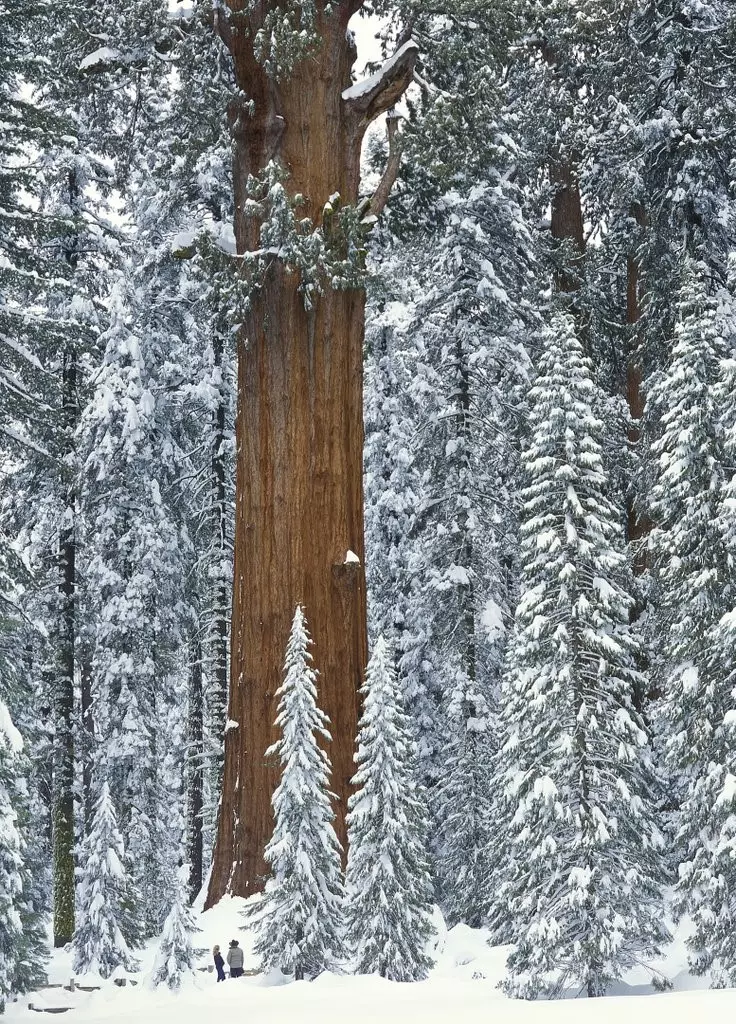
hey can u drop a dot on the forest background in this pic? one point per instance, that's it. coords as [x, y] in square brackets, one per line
[549, 452]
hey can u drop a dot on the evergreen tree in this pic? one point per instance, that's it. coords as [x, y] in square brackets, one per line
[135, 572]
[11, 858]
[693, 567]
[464, 805]
[99, 944]
[298, 918]
[182, 198]
[23, 906]
[440, 485]
[390, 479]
[388, 903]
[583, 875]
[32, 953]
[175, 958]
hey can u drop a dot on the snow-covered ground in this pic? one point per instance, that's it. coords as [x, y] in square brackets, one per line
[463, 988]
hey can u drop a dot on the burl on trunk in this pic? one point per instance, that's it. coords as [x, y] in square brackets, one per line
[299, 499]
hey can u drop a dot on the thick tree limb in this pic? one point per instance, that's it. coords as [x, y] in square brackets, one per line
[372, 97]
[393, 165]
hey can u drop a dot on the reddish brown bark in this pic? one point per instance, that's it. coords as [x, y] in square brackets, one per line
[299, 500]
[567, 219]
[567, 211]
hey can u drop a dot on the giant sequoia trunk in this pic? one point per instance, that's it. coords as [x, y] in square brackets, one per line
[299, 431]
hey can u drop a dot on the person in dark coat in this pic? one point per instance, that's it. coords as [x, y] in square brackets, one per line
[235, 959]
[219, 963]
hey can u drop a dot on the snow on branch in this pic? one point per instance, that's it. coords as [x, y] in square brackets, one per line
[378, 93]
[102, 59]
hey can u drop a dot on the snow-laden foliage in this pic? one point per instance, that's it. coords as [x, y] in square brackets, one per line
[134, 572]
[390, 480]
[16, 909]
[582, 877]
[693, 559]
[175, 957]
[99, 945]
[388, 889]
[283, 34]
[298, 918]
[121, 295]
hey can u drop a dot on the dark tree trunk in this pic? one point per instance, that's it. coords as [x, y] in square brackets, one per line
[195, 768]
[567, 222]
[465, 558]
[299, 434]
[63, 778]
[62, 812]
[88, 736]
[638, 525]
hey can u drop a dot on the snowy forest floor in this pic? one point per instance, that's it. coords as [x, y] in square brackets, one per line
[463, 987]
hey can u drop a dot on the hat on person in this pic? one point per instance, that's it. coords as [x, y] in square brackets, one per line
[233, 942]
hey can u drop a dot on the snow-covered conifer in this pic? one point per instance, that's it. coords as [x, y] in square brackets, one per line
[98, 943]
[388, 903]
[464, 807]
[582, 883]
[390, 480]
[175, 958]
[11, 852]
[692, 545]
[298, 919]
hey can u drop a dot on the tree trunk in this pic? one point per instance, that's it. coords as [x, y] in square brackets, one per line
[63, 778]
[217, 638]
[299, 433]
[195, 770]
[638, 526]
[567, 221]
[87, 736]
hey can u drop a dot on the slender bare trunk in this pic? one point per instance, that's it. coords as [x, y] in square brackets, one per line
[638, 525]
[88, 736]
[63, 778]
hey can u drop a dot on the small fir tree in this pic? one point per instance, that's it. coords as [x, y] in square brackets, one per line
[583, 874]
[463, 805]
[388, 886]
[298, 919]
[98, 943]
[11, 860]
[32, 953]
[176, 955]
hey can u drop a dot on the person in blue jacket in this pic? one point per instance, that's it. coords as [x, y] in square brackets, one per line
[219, 963]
